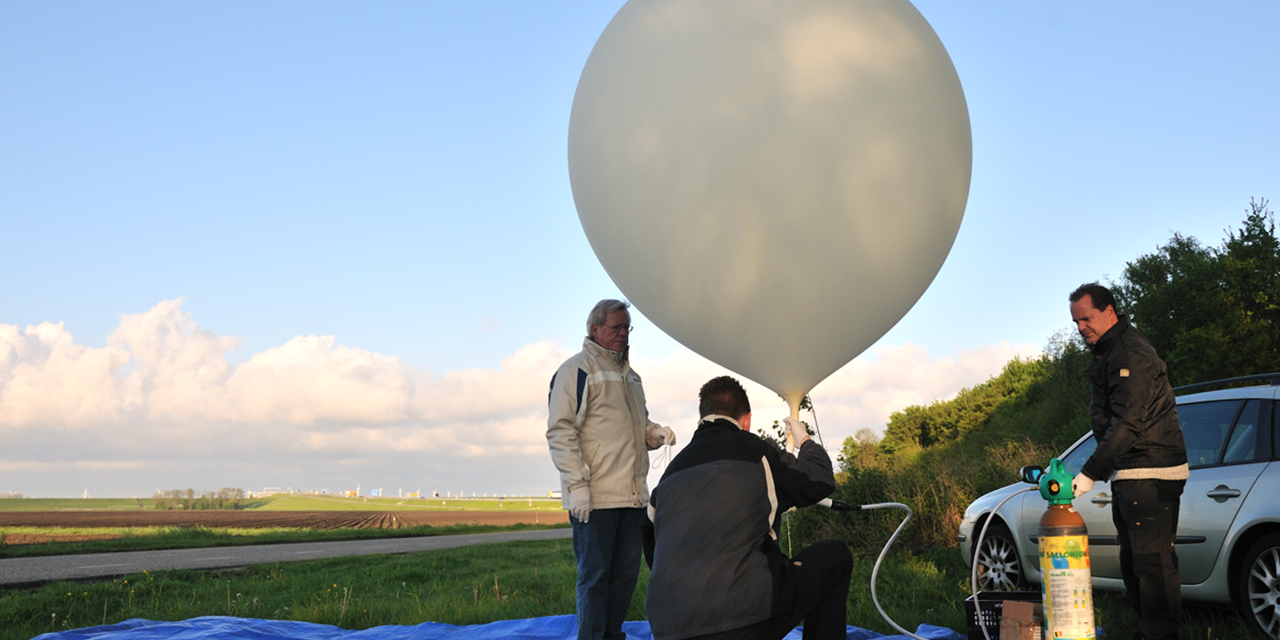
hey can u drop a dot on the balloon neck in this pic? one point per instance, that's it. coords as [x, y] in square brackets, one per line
[793, 401]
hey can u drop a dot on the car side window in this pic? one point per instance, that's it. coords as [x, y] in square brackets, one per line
[1205, 427]
[1248, 439]
[1074, 461]
[1274, 434]
[1274, 444]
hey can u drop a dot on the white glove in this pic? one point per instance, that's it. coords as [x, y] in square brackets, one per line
[665, 435]
[1081, 484]
[795, 431]
[580, 503]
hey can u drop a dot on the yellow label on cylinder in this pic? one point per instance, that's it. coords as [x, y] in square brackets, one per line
[1068, 594]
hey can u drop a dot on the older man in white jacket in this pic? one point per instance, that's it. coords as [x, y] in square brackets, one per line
[600, 435]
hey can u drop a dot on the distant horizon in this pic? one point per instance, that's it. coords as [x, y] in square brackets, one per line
[318, 492]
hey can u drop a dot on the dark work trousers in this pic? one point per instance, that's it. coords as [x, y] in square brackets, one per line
[1146, 516]
[607, 547]
[820, 577]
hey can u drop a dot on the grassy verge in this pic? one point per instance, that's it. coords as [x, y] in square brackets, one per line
[74, 504]
[459, 586]
[475, 585]
[155, 538]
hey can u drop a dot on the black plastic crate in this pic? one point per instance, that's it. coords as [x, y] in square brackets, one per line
[992, 608]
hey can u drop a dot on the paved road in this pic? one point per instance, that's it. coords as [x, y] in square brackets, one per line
[31, 571]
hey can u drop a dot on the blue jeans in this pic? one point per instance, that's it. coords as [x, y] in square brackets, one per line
[608, 549]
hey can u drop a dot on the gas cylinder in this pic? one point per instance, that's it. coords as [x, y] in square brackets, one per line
[1064, 561]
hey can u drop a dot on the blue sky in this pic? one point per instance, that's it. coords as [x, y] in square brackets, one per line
[262, 177]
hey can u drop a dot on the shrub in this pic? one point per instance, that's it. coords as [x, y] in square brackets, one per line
[938, 459]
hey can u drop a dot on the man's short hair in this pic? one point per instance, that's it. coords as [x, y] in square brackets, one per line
[602, 311]
[1100, 295]
[723, 396]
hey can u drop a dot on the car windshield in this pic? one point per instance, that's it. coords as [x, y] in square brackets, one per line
[1075, 459]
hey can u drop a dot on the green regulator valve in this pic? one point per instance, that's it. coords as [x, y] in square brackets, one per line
[1055, 484]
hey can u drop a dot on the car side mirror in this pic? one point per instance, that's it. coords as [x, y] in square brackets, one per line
[1031, 474]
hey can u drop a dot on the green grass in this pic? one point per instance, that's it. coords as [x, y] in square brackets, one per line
[74, 504]
[116, 531]
[339, 503]
[475, 585]
[460, 586]
[154, 538]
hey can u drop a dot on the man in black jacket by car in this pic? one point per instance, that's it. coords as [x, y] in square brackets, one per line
[717, 569]
[1140, 450]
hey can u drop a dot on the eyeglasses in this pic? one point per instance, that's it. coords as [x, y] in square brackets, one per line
[619, 328]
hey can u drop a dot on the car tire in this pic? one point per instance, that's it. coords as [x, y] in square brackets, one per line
[1258, 585]
[1000, 566]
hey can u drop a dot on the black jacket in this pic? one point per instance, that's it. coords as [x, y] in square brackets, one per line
[716, 564]
[1133, 411]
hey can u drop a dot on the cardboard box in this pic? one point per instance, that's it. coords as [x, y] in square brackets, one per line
[992, 605]
[1021, 620]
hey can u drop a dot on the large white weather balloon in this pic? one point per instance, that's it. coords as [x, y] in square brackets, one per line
[773, 182]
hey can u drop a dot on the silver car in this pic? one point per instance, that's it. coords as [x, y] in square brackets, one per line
[1229, 522]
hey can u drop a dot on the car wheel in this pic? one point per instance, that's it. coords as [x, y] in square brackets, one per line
[1259, 585]
[999, 566]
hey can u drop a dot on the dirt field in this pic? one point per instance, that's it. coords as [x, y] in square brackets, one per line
[260, 519]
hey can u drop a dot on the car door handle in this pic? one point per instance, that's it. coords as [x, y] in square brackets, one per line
[1101, 499]
[1222, 492]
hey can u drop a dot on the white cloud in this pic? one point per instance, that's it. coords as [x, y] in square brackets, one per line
[48, 380]
[162, 399]
[311, 380]
[180, 370]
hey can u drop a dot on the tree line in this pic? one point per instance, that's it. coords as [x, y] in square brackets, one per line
[184, 499]
[1211, 312]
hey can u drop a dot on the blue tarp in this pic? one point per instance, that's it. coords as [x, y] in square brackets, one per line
[549, 628]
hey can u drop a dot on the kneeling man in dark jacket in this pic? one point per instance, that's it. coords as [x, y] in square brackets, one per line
[716, 568]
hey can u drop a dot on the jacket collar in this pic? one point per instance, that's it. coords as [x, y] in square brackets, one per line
[617, 357]
[714, 418]
[1122, 324]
